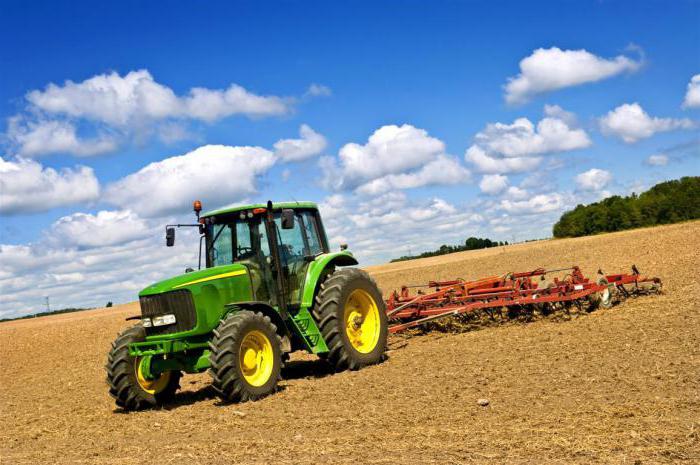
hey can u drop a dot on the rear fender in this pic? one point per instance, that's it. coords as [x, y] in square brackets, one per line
[317, 270]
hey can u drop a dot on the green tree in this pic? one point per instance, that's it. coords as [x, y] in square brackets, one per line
[666, 202]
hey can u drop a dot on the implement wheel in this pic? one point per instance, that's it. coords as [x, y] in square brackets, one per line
[127, 383]
[352, 318]
[606, 296]
[246, 357]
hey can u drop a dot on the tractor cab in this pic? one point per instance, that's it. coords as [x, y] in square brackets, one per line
[275, 244]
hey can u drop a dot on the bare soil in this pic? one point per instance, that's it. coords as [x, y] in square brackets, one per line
[617, 386]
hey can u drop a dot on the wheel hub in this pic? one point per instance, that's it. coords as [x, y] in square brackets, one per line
[256, 358]
[362, 322]
[147, 381]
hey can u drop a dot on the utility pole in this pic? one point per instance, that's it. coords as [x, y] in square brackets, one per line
[48, 306]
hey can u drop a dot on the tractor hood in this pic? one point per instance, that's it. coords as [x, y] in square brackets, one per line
[186, 280]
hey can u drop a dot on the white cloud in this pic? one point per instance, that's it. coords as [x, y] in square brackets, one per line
[522, 138]
[631, 123]
[128, 108]
[437, 207]
[510, 148]
[211, 105]
[443, 170]
[386, 226]
[26, 186]
[318, 90]
[393, 224]
[493, 184]
[170, 132]
[332, 207]
[215, 174]
[486, 163]
[542, 203]
[593, 180]
[83, 230]
[516, 193]
[88, 271]
[658, 159]
[541, 181]
[390, 149]
[394, 157]
[136, 96]
[44, 137]
[555, 111]
[308, 145]
[692, 96]
[546, 70]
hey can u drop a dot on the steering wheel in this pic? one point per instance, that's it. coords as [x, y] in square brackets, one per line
[244, 251]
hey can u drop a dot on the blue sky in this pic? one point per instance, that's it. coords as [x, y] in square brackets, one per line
[602, 101]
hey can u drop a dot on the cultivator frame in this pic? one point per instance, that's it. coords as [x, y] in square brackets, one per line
[516, 292]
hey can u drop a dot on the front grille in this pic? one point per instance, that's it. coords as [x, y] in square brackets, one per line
[179, 303]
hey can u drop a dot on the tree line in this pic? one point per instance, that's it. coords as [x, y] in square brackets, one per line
[471, 243]
[666, 202]
[50, 312]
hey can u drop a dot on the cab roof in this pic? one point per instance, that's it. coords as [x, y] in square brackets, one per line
[275, 206]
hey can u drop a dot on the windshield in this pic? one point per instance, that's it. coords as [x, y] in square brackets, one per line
[231, 242]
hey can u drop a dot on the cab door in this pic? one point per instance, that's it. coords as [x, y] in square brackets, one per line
[297, 248]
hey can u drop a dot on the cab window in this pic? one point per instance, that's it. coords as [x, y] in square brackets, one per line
[291, 240]
[244, 244]
[311, 231]
[221, 245]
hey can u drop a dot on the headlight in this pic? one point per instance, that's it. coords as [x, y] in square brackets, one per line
[146, 322]
[162, 320]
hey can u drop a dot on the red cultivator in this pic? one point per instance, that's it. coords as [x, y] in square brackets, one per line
[518, 293]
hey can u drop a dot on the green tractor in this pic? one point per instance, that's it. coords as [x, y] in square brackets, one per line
[270, 286]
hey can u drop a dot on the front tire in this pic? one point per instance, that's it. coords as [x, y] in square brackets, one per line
[130, 389]
[352, 319]
[246, 357]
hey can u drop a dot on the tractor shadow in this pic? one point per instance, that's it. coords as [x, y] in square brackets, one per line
[181, 399]
[293, 370]
[306, 369]
[184, 398]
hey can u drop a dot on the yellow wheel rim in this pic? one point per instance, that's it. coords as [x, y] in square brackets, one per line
[151, 386]
[256, 358]
[362, 323]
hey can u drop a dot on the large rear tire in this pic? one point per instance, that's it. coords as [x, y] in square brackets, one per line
[352, 319]
[246, 357]
[130, 389]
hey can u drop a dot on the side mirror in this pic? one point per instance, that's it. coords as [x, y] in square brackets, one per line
[170, 237]
[287, 218]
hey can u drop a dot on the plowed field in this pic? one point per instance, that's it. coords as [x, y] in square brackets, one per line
[620, 385]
